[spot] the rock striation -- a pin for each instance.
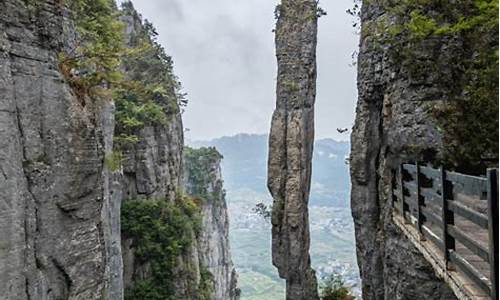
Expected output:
(291, 146)
(54, 224)
(392, 125)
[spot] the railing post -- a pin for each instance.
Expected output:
(419, 203)
(493, 229)
(447, 216)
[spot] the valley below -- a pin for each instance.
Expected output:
(332, 230)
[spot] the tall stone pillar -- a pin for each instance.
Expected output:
(291, 146)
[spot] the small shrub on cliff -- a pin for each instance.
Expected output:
(333, 289)
(264, 211)
(113, 161)
(133, 112)
(206, 287)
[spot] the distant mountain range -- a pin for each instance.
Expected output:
(245, 163)
(332, 231)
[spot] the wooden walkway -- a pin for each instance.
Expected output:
(452, 219)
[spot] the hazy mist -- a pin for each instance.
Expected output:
(224, 55)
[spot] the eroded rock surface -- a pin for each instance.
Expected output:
(291, 144)
(51, 165)
(392, 125)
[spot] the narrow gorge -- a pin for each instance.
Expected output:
(106, 195)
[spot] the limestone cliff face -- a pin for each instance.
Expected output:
(60, 199)
(392, 125)
(203, 180)
(53, 217)
(152, 167)
(291, 144)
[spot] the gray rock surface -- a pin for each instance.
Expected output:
(52, 221)
(153, 167)
(291, 144)
(392, 125)
(213, 240)
(110, 213)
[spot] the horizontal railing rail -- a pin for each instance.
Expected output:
(450, 208)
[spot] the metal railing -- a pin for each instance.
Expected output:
(458, 213)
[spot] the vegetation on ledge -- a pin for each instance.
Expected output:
(161, 232)
(92, 63)
(133, 71)
(200, 164)
(151, 93)
(468, 118)
(333, 288)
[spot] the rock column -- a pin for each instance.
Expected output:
(291, 146)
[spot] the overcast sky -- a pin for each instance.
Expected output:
(223, 52)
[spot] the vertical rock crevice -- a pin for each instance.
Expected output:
(291, 144)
